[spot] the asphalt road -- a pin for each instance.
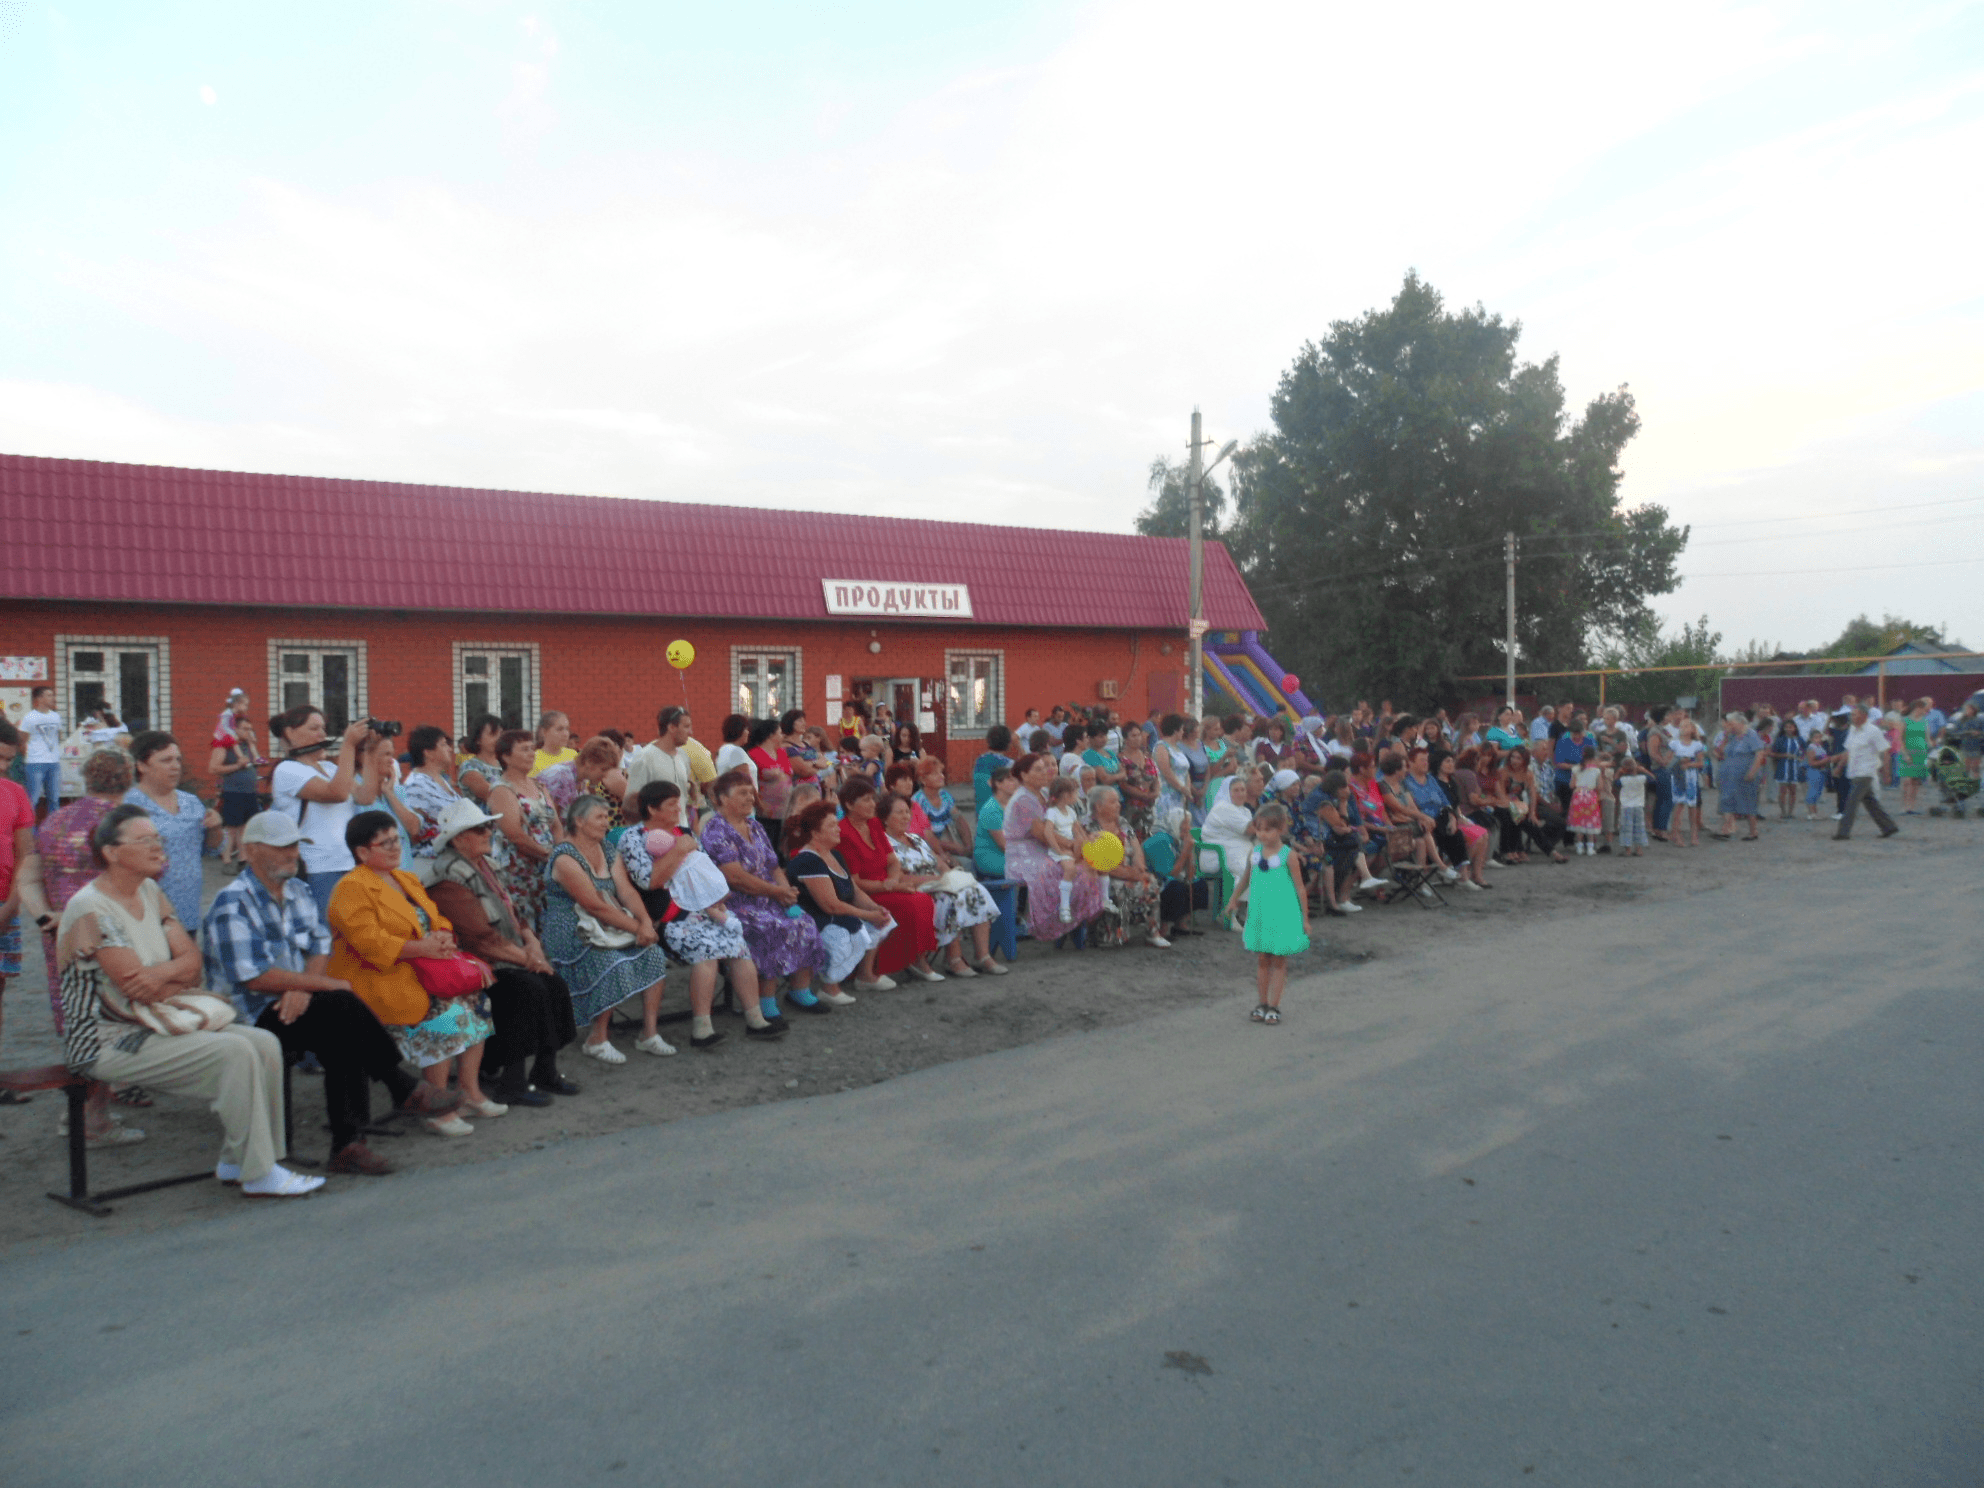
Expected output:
(1670, 1196)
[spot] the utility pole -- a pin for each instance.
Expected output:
(1511, 556)
(1195, 491)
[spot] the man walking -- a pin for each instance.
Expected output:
(1866, 751)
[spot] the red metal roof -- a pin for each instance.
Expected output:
(85, 530)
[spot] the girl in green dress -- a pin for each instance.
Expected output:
(1277, 909)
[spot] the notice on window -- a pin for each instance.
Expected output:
(894, 599)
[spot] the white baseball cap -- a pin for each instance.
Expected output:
(273, 829)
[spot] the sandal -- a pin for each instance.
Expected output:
(1259, 1014)
(14, 1098)
(1270, 1015)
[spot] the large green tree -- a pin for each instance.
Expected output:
(1370, 519)
(1170, 511)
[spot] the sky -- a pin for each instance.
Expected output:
(981, 262)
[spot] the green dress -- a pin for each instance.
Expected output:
(1914, 763)
(1274, 915)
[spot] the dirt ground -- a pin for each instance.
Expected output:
(1049, 994)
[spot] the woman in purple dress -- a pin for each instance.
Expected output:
(781, 944)
(1027, 860)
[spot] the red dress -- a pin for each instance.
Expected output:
(915, 914)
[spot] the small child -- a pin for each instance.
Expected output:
(697, 885)
(1586, 819)
(1277, 909)
(1065, 826)
(1633, 778)
(1818, 771)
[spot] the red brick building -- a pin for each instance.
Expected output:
(159, 589)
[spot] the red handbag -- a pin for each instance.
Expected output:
(447, 977)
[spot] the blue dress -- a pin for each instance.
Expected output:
(1737, 791)
(185, 840)
(600, 978)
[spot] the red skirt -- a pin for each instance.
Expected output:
(915, 932)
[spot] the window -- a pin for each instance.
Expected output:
(764, 683)
(977, 690)
(127, 672)
(491, 677)
(327, 675)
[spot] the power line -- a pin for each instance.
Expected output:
(1762, 573)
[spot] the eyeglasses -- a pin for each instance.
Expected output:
(388, 842)
(142, 839)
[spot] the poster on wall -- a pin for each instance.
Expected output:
(15, 701)
(833, 687)
(23, 668)
(926, 723)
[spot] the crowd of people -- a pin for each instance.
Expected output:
(472, 908)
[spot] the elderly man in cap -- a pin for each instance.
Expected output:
(266, 947)
(1865, 753)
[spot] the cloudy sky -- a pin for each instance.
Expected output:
(982, 260)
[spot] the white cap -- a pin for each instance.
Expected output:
(272, 829)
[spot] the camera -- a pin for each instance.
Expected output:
(385, 728)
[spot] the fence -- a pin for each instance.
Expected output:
(1898, 685)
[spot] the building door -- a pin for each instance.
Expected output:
(898, 694)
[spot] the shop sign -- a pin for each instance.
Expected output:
(892, 598)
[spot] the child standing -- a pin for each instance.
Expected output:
(1587, 820)
(1818, 771)
(1633, 778)
(1064, 825)
(1785, 750)
(1277, 909)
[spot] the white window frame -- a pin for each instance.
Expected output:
(795, 657)
(160, 646)
(995, 694)
(361, 691)
(533, 677)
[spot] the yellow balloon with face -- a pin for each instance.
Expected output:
(680, 654)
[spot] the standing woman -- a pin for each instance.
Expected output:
(316, 795)
(1027, 842)
(185, 824)
(1688, 753)
(429, 789)
(377, 788)
(1272, 743)
(1200, 762)
(1140, 785)
(586, 876)
(1173, 763)
(553, 740)
(764, 746)
(906, 745)
(479, 769)
(878, 873)
(1913, 757)
(529, 826)
(235, 762)
(1657, 755)
(1738, 775)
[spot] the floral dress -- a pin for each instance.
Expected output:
(185, 835)
(476, 765)
(428, 799)
(63, 843)
(1128, 908)
(955, 912)
(601, 977)
(1142, 771)
(781, 943)
(524, 876)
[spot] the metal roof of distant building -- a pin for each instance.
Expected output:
(87, 530)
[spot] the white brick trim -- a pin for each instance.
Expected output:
(162, 682)
(798, 655)
(361, 682)
(533, 680)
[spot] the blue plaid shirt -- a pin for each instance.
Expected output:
(247, 933)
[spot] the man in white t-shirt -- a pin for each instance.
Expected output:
(1866, 748)
(41, 732)
(1808, 720)
(664, 759)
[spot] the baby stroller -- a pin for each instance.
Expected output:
(1946, 764)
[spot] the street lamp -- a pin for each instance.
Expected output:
(1196, 490)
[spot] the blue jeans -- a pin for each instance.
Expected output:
(44, 781)
(1663, 799)
(321, 885)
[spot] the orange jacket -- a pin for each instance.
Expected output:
(370, 921)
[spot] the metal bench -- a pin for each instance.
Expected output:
(76, 1088)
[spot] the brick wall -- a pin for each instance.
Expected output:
(603, 672)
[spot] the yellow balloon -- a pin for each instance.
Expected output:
(680, 654)
(1103, 851)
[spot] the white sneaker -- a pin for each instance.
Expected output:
(280, 1183)
(1468, 883)
(835, 999)
(880, 984)
(1496, 863)
(604, 1053)
(657, 1046)
(1346, 906)
(449, 1125)
(1372, 883)
(1426, 892)
(1159, 941)
(1067, 914)
(1449, 875)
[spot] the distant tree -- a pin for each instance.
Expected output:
(1864, 637)
(1369, 519)
(1646, 646)
(1170, 511)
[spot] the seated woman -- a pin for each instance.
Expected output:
(988, 846)
(1411, 829)
(1343, 860)
(879, 874)
(530, 1005)
(1229, 826)
(381, 922)
(684, 892)
(1271, 744)
(1462, 839)
(529, 824)
(731, 754)
(899, 780)
(850, 925)
(781, 944)
(905, 744)
(1528, 799)
(1029, 842)
(1139, 786)
(968, 907)
(120, 948)
(1131, 907)
(596, 771)
(615, 953)
(948, 830)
